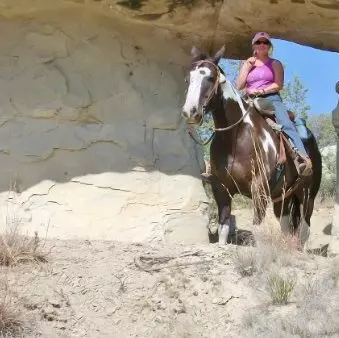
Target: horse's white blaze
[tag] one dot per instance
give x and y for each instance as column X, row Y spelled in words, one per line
column 230, row 92
column 193, row 93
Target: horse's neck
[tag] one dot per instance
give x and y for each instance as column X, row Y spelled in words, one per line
column 229, row 107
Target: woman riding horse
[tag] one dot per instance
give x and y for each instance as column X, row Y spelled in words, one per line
column 263, row 76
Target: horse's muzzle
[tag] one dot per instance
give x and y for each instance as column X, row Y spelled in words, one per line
column 189, row 115
column 193, row 117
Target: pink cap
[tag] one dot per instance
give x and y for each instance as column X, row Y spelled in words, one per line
column 259, row 36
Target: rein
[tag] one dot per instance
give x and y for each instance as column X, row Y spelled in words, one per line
column 213, row 92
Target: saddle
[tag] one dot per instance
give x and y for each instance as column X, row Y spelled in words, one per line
column 267, row 109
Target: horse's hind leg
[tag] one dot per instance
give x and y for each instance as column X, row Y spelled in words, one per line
column 223, row 201
column 286, row 212
column 303, row 228
column 295, row 218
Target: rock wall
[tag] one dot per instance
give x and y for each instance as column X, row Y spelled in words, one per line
column 91, row 140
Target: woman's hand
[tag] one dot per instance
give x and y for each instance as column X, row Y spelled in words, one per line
column 256, row 91
column 250, row 62
column 245, row 69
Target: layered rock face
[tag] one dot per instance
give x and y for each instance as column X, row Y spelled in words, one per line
column 91, row 140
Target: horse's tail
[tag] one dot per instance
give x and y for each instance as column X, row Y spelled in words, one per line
column 315, row 155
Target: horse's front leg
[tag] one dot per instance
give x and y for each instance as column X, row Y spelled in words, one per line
column 224, row 224
column 223, row 201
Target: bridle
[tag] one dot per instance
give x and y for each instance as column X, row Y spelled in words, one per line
column 213, row 92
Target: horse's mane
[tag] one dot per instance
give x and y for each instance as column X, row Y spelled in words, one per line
column 229, row 91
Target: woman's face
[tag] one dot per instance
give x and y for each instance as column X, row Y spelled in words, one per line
column 261, row 46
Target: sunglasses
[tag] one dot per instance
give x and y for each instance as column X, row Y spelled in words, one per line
column 262, row 42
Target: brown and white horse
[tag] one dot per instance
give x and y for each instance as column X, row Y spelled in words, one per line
column 241, row 134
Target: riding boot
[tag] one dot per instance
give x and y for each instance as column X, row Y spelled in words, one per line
column 305, row 165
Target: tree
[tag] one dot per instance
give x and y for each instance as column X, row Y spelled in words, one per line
column 294, row 95
column 323, row 130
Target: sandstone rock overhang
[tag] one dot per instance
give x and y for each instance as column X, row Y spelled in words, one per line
column 91, row 140
column 210, row 23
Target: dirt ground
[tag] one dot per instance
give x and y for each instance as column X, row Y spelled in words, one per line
column 115, row 289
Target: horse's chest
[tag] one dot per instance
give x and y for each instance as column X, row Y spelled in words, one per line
column 229, row 168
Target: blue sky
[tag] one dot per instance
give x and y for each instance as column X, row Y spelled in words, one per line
column 318, row 71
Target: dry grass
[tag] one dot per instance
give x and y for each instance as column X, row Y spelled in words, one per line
column 280, row 287
column 16, row 248
column 11, row 318
column 313, row 313
column 246, row 262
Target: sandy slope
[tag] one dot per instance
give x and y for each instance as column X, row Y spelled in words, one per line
column 101, row 289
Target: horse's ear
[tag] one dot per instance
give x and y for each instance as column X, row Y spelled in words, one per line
column 219, row 54
column 195, row 53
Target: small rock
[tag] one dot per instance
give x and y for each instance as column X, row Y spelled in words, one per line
column 111, row 311
column 180, row 307
column 80, row 316
column 158, row 320
column 56, row 304
column 195, row 293
column 79, row 333
column 215, row 272
column 62, row 319
column 221, row 300
column 60, row 326
column 49, row 315
column 161, row 306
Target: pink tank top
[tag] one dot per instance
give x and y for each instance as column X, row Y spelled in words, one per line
column 260, row 77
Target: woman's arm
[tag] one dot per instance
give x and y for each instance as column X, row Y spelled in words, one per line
column 279, row 78
column 244, row 70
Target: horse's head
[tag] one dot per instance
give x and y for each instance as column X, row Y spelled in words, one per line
column 203, row 84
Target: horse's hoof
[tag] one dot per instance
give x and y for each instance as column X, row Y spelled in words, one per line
column 223, row 234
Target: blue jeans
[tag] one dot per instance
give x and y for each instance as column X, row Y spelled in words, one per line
column 282, row 118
